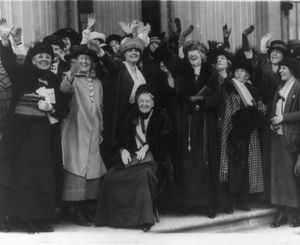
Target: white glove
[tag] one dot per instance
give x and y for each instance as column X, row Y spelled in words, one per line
column 44, row 106
column 85, row 36
column 141, row 153
column 264, row 41
column 125, row 156
column 248, row 54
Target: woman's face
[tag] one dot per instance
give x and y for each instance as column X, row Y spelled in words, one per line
column 115, row 46
column 58, row 52
column 153, row 46
column 84, row 62
column 132, row 55
column 241, row 75
column 42, row 61
column 222, row 62
column 145, row 103
column 67, row 43
column 195, row 58
column 285, row 73
column 276, row 56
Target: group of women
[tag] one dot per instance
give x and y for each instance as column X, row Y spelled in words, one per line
column 109, row 131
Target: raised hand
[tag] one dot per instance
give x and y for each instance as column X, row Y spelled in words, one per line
column 147, row 29
column 16, row 34
column 37, row 38
column 177, row 26
column 212, row 44
column 74, row 69
column 95, row 46
column 5, row 31
column 264, row 41
column 226, row 31
column 91, row 21
column 125, row 27
column 85, row 36
column 249, row 30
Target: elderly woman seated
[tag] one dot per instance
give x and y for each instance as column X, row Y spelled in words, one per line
column 130, row 187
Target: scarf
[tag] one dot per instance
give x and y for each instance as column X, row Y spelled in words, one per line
column 256, row 184
column 137, row 80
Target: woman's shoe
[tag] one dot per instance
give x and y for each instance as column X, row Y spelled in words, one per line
column 31, row 226
column 88, row 214
column 294, row 221
column 80, row 219
column 243, row 207
column 45, row 226
column 5, row 225
column 211, row 213
column 146, row 228
column 280, row 220
column 228, row 210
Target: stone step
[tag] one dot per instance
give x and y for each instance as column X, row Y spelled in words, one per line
column 239, row 221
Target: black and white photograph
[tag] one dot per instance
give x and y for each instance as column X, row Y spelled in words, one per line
column 149, row 122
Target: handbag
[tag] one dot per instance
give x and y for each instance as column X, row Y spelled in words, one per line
column 28, row 105
column 134, row 161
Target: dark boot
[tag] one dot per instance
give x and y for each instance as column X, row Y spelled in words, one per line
column 78, row 216
column 242, row 202
column 211, row 212
column 280, row 219
column 293, row 217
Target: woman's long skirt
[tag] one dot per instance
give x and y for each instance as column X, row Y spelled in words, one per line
column 285, row 187
column 127, row 197
column 30, row 191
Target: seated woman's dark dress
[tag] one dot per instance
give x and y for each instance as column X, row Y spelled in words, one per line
column 128, row 193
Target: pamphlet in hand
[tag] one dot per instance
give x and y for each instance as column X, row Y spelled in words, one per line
column 205, row 90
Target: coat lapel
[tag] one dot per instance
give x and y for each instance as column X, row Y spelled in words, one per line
column 291, row 96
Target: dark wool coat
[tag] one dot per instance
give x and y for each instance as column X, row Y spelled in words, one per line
column 29, row 159
column 128, row 194
column 150, row 68
column 195, row 179
column 291, row 118
column 121, row 86
column 159, row 138
column 267, row 82
column 5, row 85
column 285, row 188
column 240, row 163
column 115, row 103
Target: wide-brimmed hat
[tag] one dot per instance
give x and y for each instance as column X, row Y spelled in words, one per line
column 113, row 37
column 129, row 43
column 40, row 48
column 296, row 53
column 83, row 50
column 213, row 55
column 70, row 33
column 242, row 64
column 292, row 64
column 293, row 44
column 278, row 45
